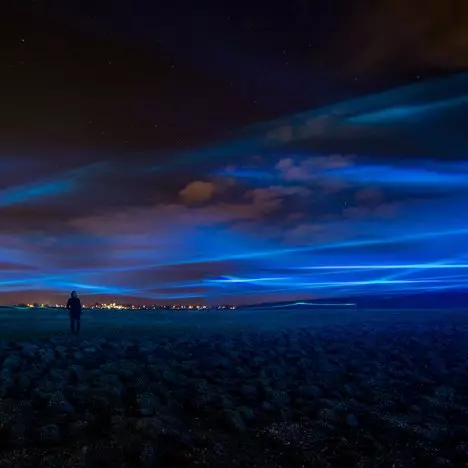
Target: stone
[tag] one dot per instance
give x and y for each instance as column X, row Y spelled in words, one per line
column 12, row 410
column 225, row 402
column 246, row 413
column 78, row 356
column 285, row 415
column 78, row 428
column 415, row 409
column 47, row 356
column 24, row 382
column 168, row 376
column 280, row 399
column 189, row 367
column 61, row 350
column 141, row 383
column 104, row 400
column 110, row 368
column 352, row 421
column 441, row 462
column 111, row 382
column 13, row 363
column 18, row 432
column 233, row 420
column 6, row 374
column 78, row 394
column 6, row 388
column 267, row 407
column 49, row 433
column 151, row 427
column 58, row 403
column 249, row 391
column 29, row 350
column 59, row 375
column 310, row 392
column 148, row 455
column 218, row 362
column 127, row 369
column 146, row 404
column 77, row 372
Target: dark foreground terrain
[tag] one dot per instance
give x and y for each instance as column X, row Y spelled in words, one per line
column 252, row 390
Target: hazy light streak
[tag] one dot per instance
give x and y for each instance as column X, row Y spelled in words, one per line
column 15, row 195
column 232, row 279
column 400, row 176
column 391, row 240
column 291, row 250
column 320, row 304
column 252, row 174
column 422, row 266
column 443, row 262
column 294, row 283
column 402, row 113
column 50, row 187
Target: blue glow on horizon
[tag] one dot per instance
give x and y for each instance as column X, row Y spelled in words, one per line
column 319, row 304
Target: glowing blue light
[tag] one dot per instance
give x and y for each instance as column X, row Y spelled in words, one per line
column 316, row 304
column 256, row 175
column 421, row 266
column 403, row 176
column 398, row 113
column 63, row 183
column 335, row 239
column 232, row 279
column 17, row 195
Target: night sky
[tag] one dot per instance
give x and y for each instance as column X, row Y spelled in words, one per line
column 232, row 151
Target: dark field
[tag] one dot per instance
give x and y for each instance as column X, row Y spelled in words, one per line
column 253, row 388
column 29, row 324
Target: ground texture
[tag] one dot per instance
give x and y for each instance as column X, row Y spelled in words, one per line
column 390, row 393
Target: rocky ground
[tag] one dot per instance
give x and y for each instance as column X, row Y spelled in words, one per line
column 368, row 396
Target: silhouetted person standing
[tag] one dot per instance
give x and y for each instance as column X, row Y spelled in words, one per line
column 74, row 309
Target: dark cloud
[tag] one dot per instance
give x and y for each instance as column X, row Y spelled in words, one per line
column 409, row 33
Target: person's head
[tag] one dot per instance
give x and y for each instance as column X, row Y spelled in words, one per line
column 73, row 294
